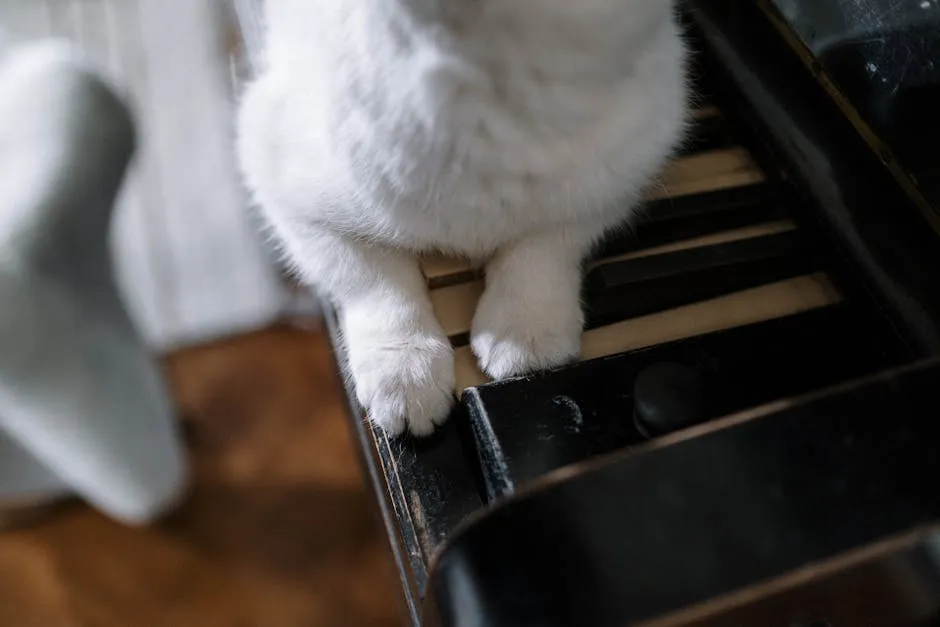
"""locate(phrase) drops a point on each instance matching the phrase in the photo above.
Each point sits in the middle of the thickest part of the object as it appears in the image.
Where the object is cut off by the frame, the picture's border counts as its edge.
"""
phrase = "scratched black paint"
(884, 56)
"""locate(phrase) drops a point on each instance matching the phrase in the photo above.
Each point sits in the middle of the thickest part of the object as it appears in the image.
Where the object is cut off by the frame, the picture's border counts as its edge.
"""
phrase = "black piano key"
(526, 427)
(670, 220)
(708, 133)
(639, 537)
(635, 287)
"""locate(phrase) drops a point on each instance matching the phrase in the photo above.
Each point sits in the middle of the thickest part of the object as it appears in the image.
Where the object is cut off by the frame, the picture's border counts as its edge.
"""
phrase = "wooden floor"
(279, 530)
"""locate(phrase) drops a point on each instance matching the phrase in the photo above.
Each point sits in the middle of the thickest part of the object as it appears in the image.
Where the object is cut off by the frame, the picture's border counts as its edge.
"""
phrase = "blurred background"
(277, 527)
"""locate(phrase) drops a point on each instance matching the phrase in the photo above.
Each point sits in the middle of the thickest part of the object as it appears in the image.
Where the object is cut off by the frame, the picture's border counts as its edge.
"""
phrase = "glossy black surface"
(668, 396)
(621, 290)
(527, 427)
(424, 487)
(792, 124)
(644, 535)
(675, 219)
(884, 57)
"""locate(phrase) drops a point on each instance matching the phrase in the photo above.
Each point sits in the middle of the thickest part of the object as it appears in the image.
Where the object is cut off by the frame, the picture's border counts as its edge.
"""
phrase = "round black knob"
(667, 397)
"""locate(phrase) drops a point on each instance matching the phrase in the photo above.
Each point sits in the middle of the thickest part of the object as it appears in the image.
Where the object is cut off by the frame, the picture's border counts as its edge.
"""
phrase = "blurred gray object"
(83, 407)
(189, 256)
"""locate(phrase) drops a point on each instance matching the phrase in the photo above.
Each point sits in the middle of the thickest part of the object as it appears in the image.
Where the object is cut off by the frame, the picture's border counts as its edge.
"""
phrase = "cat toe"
(520, 345)
(406, 384)
(413, 408)
(507, 355)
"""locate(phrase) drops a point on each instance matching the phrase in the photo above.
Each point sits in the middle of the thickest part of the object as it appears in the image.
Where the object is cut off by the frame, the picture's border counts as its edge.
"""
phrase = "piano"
(752, 436)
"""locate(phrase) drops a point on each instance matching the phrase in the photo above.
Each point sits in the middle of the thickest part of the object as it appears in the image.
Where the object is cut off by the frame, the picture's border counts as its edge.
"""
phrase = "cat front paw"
(404, 380)
(513, 337)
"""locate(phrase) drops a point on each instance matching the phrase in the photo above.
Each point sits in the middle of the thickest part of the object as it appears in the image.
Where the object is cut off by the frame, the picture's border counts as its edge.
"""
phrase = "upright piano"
(752, 436)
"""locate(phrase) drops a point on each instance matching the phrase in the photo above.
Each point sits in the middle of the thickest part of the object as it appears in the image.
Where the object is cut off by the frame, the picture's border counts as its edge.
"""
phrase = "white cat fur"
(513, 132)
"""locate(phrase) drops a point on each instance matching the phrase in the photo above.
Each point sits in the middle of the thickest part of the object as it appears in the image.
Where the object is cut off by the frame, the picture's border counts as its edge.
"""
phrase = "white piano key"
(766, 302)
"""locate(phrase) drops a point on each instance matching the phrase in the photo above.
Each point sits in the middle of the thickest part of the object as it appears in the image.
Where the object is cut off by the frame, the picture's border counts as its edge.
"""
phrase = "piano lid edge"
(600, 462)
(540, 493)
(401, 535)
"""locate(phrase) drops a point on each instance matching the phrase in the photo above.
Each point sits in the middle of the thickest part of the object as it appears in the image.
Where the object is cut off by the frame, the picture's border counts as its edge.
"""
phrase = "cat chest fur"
(463, 143)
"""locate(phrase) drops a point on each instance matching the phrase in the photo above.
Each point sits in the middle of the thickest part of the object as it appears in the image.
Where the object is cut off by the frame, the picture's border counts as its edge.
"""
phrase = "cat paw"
(511, 339)
(405, 381)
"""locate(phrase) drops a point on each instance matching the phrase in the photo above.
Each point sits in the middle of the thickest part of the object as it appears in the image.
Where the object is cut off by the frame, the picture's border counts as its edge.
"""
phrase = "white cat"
(513, 132)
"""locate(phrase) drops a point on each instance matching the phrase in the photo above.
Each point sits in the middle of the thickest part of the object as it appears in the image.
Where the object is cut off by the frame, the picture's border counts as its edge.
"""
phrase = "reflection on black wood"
(527, 427)
(883, 242)
(425, 487)
(670, 220)
(642, 535)
(628, 289)
(881, 56)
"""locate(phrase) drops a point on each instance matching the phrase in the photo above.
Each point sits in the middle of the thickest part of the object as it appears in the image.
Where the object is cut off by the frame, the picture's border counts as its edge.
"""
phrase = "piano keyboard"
(715, 274)
(456, 286)
(749, 290)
